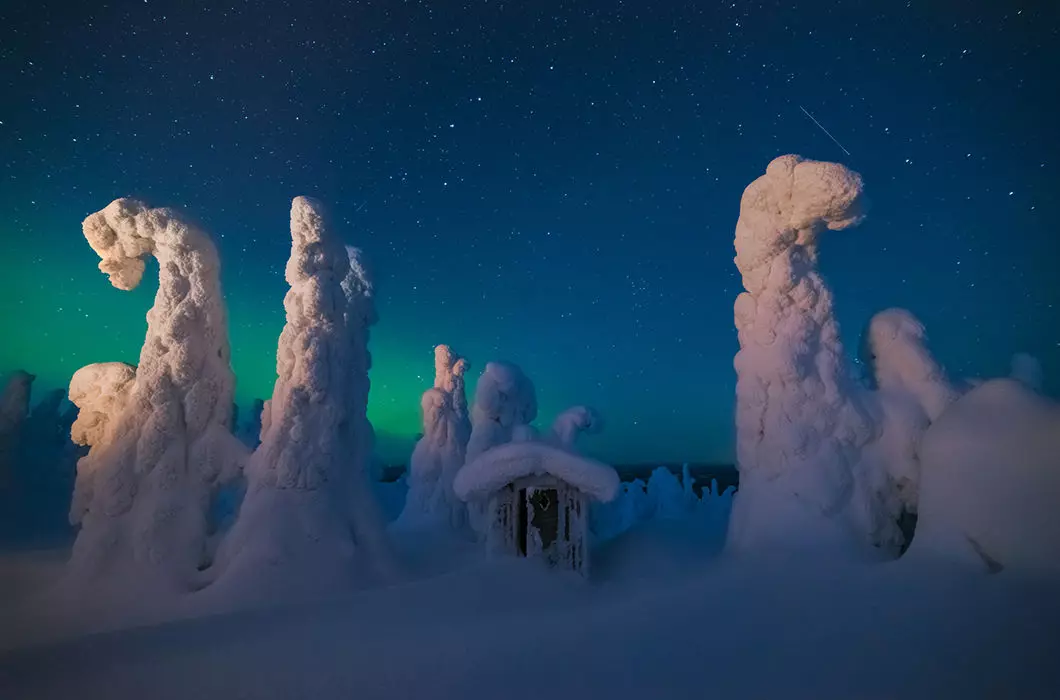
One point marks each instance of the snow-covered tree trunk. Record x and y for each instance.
(294, 526)
(160, 450)
(800, 424)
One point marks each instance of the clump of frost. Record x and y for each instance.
(441, 451)
(504, 398)
(990, 482)
(573, 422)
(1027, 370)
(14, 408)
(161, 439)
(298, 525)
(800, 421)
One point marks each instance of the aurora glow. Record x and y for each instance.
(563, 198)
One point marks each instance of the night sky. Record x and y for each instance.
(555, 184)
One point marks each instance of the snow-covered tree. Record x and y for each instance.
(440, 453)
(297, 526)
(504, 398)
(896, 349)
(573, 422)
(14, 407)
(799, 421)
(911, 391)
(159, 452)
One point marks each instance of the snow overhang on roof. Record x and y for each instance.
(501, 465)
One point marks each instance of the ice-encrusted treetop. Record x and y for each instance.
(789, 206)
(503, 464)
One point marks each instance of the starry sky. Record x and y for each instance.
(551, 183)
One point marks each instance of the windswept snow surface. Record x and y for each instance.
(708, 627)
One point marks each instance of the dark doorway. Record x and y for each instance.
(520, 522)
(545, 504)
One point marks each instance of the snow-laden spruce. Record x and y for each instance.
(990, 482)
(161, 439)
(504, 398)
(440, 453)
(799, 422)
(299, 527)
(14, 408)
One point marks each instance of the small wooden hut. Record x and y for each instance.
(538, 500)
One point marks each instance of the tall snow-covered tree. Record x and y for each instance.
(800, 424)
(160, 450)
(297, 527)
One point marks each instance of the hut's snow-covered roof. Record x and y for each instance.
(501, 465)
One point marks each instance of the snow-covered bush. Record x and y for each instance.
(440, 453)
(990, 482)
(160, 437)
(299, 523)
(800, 422)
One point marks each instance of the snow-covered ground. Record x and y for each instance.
(665, 615)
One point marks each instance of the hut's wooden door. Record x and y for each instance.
(543, 516)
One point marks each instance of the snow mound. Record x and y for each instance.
(504, 464)
(990, 481)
